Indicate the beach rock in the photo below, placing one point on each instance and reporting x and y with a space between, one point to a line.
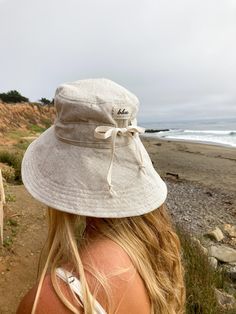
233 241
225 300
228 202
223 253
216 234
201 247
213 261
230 229
187 219
232 272
228 269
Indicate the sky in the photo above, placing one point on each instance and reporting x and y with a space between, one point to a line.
178 57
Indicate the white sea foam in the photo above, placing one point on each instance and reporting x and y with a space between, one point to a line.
221 137
211 132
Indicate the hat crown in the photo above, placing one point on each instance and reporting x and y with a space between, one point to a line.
99 100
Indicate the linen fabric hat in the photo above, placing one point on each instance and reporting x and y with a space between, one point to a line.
91 161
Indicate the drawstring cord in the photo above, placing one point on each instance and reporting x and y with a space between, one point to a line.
104 132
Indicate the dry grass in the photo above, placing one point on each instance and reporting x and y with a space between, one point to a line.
201 279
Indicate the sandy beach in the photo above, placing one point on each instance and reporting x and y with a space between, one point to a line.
201 179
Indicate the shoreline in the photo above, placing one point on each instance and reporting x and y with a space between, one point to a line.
188 141
210 165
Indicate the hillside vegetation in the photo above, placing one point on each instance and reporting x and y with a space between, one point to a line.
25 116
20 123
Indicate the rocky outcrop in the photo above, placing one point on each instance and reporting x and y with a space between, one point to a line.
220 246
230 230
225 300
223 253
216 234
21 115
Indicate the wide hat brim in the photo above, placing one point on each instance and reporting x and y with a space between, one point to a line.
72 178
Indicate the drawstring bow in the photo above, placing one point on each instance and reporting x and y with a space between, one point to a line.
104 132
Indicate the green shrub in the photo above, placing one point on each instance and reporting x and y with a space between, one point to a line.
200 278
8 172
12 222
22 144
46 122
13 96
36 128
45 101
10 198
17 134
8 241
13 159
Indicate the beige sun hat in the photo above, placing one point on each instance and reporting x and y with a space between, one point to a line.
91 161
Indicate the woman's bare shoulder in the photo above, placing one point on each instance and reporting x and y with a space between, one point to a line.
49 301
128 289
106 255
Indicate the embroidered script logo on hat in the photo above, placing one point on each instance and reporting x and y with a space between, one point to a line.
121 112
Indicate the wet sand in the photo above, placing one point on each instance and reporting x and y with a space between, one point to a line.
210 165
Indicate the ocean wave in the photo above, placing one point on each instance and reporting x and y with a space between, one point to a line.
221 140
224 137
217 132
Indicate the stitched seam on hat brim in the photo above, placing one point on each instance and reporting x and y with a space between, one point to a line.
93 193
160 189
97 212
102 211
137 212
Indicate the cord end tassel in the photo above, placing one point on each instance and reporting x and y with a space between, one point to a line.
112 191
142 168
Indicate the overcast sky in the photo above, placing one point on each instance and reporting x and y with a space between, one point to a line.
178 57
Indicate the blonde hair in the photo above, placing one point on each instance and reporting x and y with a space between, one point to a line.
149 240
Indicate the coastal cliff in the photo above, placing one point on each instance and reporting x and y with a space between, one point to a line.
24 116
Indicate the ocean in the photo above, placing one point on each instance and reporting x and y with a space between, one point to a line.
216 132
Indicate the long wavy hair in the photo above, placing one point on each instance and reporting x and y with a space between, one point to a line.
150 240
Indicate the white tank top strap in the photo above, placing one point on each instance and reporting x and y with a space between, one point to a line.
76 287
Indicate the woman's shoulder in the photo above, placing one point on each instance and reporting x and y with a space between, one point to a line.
112 262
48 300
127 287
106 255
